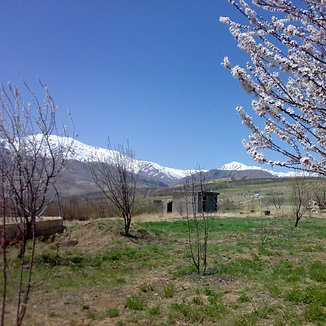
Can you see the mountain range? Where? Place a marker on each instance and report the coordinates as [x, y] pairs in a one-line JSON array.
[[76, 178]]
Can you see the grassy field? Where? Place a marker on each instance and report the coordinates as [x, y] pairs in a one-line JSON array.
[[261, 272]]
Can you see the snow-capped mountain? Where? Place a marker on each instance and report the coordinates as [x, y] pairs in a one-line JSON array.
[[237, 166], [76, 178], [86, 153], [79, 151]]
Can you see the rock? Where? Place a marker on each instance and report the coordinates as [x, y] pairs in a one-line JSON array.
[[68, 243], [225, 278]]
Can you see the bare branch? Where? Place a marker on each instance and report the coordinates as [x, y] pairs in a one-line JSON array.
[[117, 175], [31, 158]]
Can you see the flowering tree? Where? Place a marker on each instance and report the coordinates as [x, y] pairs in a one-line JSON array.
[[287, 77]]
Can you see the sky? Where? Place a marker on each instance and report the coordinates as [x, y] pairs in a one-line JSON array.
[[145, 71]]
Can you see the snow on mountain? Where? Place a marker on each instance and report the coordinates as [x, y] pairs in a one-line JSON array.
[[237, 166], [85, 153]]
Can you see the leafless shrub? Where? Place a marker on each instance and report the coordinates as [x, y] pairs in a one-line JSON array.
[[317, 192], [198, 231], [228, 204], [299, 198], [277, 199], [31, 158]]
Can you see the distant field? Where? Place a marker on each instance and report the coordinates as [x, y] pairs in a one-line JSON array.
[[261, 272], [236, 199]]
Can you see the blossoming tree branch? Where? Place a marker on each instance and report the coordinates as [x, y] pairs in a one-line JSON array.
[[286, 76]]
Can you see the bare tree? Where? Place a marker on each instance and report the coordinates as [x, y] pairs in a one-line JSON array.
[[117, 175], [286, 77], [299, 198], [4, 199], [317, 191], [277, 199], [31, 158], [198, 233]]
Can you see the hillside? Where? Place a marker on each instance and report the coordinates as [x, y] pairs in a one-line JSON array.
[[76, 179]]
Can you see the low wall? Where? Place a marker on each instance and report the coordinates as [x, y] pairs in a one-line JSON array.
[[45, 226]]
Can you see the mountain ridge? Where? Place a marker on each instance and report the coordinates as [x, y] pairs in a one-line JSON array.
[[85, 153], [76, 178]]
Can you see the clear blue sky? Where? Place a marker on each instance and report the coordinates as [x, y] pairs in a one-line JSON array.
[[147, 71]]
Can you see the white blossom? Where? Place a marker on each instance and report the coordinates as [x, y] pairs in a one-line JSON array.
[[287, 76], [226, 63]]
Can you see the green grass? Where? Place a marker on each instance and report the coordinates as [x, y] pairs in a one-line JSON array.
[[168, 291], [53, 314], [231, 225], [112, 312], [310, 294], [154, 311], [134, 302], [243, 298], [146, 288], [153, 282], [314, 312], [317, 271]]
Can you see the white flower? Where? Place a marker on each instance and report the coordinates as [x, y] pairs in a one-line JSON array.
[[226, 63]]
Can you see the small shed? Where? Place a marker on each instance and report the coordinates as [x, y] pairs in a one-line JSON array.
[[206, 201]]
